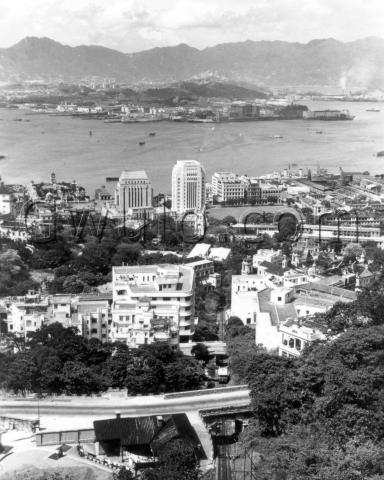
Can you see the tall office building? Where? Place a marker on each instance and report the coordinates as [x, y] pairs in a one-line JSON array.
[[133, 194], [188, 186]]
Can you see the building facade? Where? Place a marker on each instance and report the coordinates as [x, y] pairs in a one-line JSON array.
[[188, 187], [133, 194], [227, 187], [152, 303]]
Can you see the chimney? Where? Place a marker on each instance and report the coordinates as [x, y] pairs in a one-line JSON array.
[[118, 414]]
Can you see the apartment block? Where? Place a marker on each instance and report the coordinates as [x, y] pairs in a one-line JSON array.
[[152, 303]]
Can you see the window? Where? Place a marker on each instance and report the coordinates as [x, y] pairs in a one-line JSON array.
[[291, 342], [298, 344], [279, 299], [248, 321]]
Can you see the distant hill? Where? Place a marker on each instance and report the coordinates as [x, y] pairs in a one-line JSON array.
[[177, 92], [325, 62]]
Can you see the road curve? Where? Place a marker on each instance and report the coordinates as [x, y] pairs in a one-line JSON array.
[[88, 409]]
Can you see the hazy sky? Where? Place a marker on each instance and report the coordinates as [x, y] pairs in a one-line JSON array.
[[134, 25]]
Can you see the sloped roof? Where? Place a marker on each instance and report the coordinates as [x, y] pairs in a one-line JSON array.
[[130, 431], [177, 426]]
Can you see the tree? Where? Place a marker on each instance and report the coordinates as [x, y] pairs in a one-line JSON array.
[[201, 352], [116, 366], [234, 322], [277, 396], [182, 375], [79, 379], [123, 474], [205, 332], [229, 220], [177, 461], [23, 374]]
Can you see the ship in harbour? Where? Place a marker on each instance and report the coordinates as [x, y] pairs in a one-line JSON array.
[[327, 115]]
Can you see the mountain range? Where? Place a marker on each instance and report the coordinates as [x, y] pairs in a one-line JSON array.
[[324, 62]]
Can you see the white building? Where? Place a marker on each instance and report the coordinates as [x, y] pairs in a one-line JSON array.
[[7, 199], [227, 186], [188, 187], [296, 335], [133, 195], [27, 313], [152, 303], [266, 255], [94, 317]]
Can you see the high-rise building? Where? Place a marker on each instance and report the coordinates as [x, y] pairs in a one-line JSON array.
[[133, 194], [188, 186]]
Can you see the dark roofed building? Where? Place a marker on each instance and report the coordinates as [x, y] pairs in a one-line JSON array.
[[131, 434], [144, 436], [177, 426]]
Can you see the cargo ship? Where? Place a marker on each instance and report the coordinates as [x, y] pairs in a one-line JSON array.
[[327, 115]]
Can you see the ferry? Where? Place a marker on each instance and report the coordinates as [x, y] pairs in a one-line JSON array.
[[372, 110]]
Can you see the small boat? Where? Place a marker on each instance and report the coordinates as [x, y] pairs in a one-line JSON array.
[[372, 110], [90, 133], [152, 134], [141, 144], [2, 157], [278, 136], [380, 154], [319, 132]]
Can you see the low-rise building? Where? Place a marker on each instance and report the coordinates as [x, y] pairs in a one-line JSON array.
[[296, 335], [27, 313]]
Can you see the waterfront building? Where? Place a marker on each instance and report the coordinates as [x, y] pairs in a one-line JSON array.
[[188, 187], [152, 303], [270, 193], [227, 187], [252, 190], [133, 194]]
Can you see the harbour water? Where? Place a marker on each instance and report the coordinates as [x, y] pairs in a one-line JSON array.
[[36, 145]]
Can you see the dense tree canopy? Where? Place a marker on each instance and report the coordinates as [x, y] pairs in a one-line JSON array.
[[55, 360]]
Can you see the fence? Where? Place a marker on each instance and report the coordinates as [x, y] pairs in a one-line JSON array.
[[68, 436]]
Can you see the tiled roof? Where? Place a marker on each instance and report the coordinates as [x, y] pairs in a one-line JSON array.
[[130, 431], [178, 426]]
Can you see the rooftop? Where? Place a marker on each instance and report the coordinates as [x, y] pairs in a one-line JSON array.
[[136, 175]]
